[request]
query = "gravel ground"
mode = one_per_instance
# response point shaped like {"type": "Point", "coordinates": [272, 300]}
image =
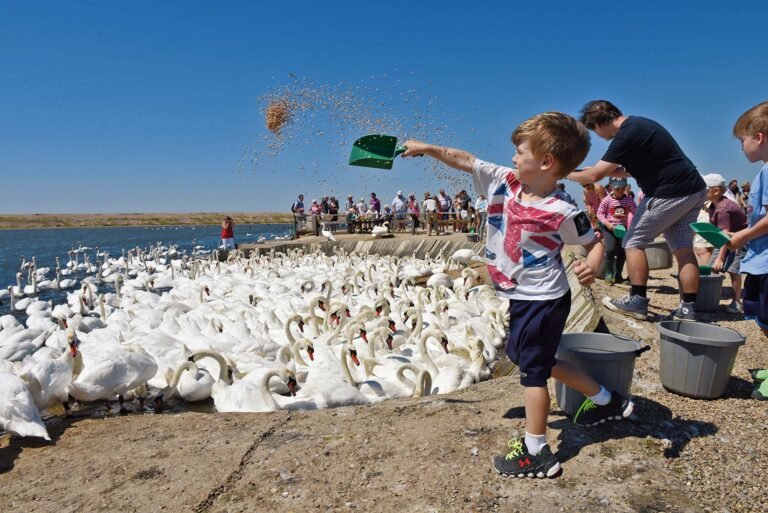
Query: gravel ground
{"type": "Point", "coordinates": [674, 455]}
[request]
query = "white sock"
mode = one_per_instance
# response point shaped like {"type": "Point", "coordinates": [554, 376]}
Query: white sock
{"type": "Point", "coordinates": [534, 443]}
{"type": "Point", "coordinates": [601, 398]}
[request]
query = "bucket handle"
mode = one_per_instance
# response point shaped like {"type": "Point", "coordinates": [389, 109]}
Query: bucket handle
{"type": "Point", "coordinates": [643, 349]}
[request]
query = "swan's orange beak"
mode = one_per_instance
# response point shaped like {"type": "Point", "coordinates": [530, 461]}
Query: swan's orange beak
{"type": "Point", "coordinates": [389, 342]}
{"type": "Point", "coordinates": [321, 305]}
{"type": "Point", "coordinates": [301, 326]}
{"type": "Point", "coordinates": [349, 314]}
{"type": "Point", "coordinates": [378, 311]}
{"type": "Point", "coordinates": [392, 326]}
{"type": "Point", "coordinates": [311, 353]}
{"type": "Point", "coordinates": [364, 335]}
{"type": "Point", "coordinates": [73, 349]}
{"type": "Point", "coordinates": [292, 386]}
{"type": "Point", "coordinates": [444, 343]}
{"type": "Point", "coordinates": [353, 355]}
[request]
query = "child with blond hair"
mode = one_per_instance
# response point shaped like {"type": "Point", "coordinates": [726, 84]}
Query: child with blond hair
{"type": "Point", "coordinates": [528, 223]}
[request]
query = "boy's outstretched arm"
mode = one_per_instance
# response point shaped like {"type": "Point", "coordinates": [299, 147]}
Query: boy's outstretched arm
{"type": "Point", "coordinates": [458, 159]}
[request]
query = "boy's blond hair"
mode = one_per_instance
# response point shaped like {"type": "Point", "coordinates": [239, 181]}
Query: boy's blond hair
{"type": "Point", "coordinates": [752, 122]}
{"type": "Point", "coordinates": [559, 134]}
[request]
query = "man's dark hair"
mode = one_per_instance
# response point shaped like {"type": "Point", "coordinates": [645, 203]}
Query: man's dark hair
{"type": "Point", "coordinates": [598, 112]}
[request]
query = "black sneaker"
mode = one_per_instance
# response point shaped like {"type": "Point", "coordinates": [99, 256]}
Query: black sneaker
{"type": "Point", "coordinates": [518, 462]}
{"type": "Point", "coordinates": [591, 414]}
{"type": "Point", "coordinates": [685, 312]}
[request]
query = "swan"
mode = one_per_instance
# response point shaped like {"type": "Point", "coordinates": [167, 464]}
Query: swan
{"type": "Point", "coordinates": [48, 380]}
{"type": "Point", "coordinates": [192, 386]}
{"type": "Point", "coordinates": [18, 413]}
{"type": "Point", "coordinates": [327, 234]}
{"type": "Point", "coordinates": [112, 369]}
{"type": "Point", "coordinates": [378, 231]}
{"type": "Point", "coordinates": [251, 394]}
{"type": "Point", "coordinates": [466, 257]}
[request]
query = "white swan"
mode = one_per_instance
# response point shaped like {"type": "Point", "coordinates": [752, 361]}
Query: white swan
{"type": "Point", "coordinates": [378, 231]}
{"type": "Point", "coordinates": [251, 394]}
{"type": "Point", "coordinates": [327, 234]}
{"type": "Point", "coordinates": [18, 413]}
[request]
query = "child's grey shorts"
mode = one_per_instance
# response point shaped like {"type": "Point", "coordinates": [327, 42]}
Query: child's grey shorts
{"type": "Point", "coordinates": [670, 216]}
{"type": "Point", "coordinates": [733, 259]}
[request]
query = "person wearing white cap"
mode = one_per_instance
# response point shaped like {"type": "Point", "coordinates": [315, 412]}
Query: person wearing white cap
{"type": "Point", "coordinates": [731, 218]}
{"type": "Point", "coordinates": [399, 207]}
{"type": "Point", "coordinates": [673, 192]}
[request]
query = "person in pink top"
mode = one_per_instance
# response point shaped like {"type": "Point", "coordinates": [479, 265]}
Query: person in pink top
{"type": "Point", "coordinates": [593, 195]}
{"type": "Point", "coordinates": [616, 209]}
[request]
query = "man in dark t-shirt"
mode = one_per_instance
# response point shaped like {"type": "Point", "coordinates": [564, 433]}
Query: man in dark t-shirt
{"type": "Point", "coordinates": [673, 195]}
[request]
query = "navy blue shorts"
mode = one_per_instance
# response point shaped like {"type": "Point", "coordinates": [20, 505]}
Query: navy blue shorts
{"type": "Point", "coordinates": [535, 328]}
{"type": "Point", "coordinates": [755, 296]}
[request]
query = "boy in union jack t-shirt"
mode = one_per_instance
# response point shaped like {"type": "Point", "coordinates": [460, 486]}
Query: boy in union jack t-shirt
{"type": "Point", "coordinates": [528, 224]}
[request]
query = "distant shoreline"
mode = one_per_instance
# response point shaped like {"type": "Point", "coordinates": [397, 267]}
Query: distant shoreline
{"type": "Point", "coordinates": [29, 221]}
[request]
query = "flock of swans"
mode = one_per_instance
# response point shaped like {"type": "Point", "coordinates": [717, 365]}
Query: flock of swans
{"type": "Point", "coordinates": [279, 331]}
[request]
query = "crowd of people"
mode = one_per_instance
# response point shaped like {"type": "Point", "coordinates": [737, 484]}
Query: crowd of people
{"type": "Point", "coordinates": [458, 211]}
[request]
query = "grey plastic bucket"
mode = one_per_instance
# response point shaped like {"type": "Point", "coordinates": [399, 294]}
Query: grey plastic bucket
{"type": "Point", "coordinates": [609, 359]}
{"type": "Point", "coordinates": [708, 297]}
{"type": "Point", "coordinates": [659, 255]}
{"type": "Point", "coordinates": [697, 358]}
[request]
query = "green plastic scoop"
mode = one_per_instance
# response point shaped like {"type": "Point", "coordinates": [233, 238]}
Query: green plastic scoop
{"type": "Point", "coordinates": [375, 151]}
{"type": "Point", "coordinates": [619, 231]}
{"type": "Point", "coordinates": [711, 233]}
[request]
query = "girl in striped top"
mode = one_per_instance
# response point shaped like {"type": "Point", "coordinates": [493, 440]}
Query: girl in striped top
{"type": "Point", "coordinates": [616, 209]}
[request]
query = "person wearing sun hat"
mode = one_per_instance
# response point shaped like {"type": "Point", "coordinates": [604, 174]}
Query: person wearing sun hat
{"type": "Point", "coordinates": [727, 215]}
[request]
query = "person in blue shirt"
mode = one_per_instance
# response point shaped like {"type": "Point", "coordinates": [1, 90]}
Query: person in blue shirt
{"type": "Point", "coordinates": [752, 131]}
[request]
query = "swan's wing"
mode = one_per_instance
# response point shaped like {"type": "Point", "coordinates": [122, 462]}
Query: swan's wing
{"type": "Point", "coordinates": [18, 413]}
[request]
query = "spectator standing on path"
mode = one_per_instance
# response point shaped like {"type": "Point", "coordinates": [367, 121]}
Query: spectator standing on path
{"type": "Point", "coordinates": [673, 194]}
{"type": "Point", "coordinates": [227, 233]}
{"type": "Point", "coordinates": [445, 204]}
{"type": "Point", "coordinates": [413, 209]}
{"type": "Point", "coordinates": [375, 203]}
{"type": "Point", "coordinates": [400, 208]}
{"type": "Point", "coordinates": [298, 206]}
{"type": "Point", "coordinates": [466, 201]}
{"type": "Point", "coordinates": [481, 207]}
{"type": "Point", "coordinates": [350, 204]}
{"type": "Point", "coordinates": [430, 210]}
{"type": "Point", "coordinates": [362, 208]}
{"type": "Point", "coordinates": [298, 212]}
{"type": "Point", "coordinates": [315, 209]}
{"type": "Point", "coordinates": [333, 210]}
{"type": "Point", "coordinates": [729, 217]}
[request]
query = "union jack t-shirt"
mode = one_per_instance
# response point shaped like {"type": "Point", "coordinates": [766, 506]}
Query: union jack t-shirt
{"type": "Point", "coordinates": [524, 239]}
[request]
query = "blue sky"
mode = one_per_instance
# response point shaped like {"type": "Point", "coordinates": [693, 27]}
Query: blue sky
{"type": "Point", "coordinates": [154, 106]}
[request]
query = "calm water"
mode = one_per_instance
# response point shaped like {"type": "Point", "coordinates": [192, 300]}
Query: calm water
{"type": "Point", "coordinates": [46, 244]}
